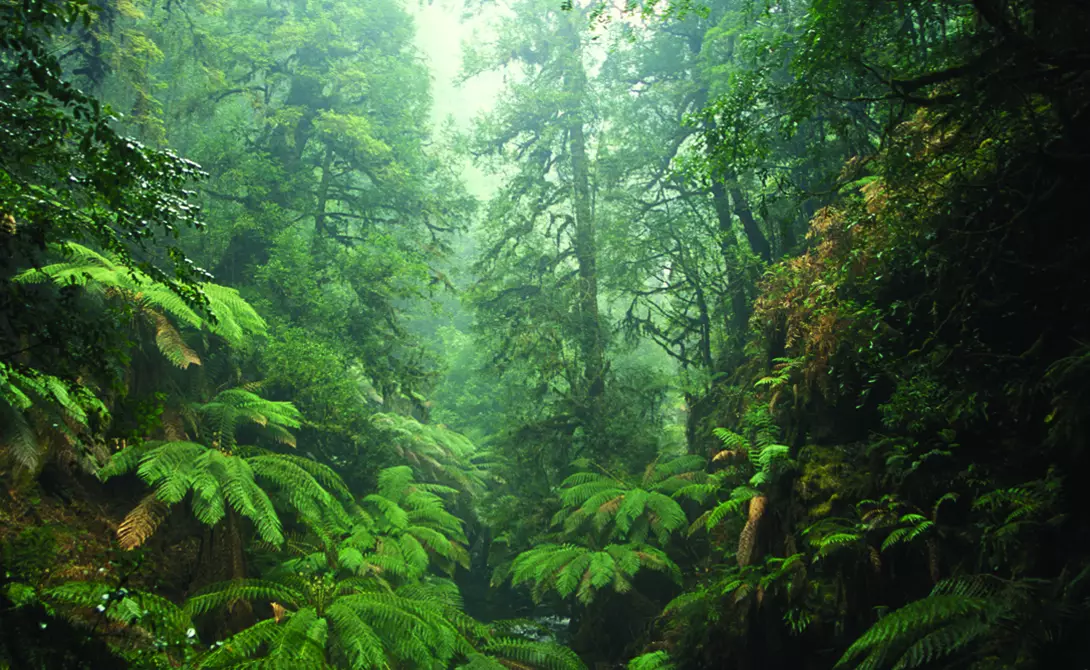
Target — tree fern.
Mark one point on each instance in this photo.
(915, 526)
(630, 509)
(406, 528)
(733, 505)
(221, 417)
(230, 316)
(33, 406)
(570, 569)
(347, 622)
(137, 617)
(433, 451)
(215, 478)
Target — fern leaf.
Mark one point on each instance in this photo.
(223, 594)
(656, 660)
(171, 344)
(540, 655)
(139, 524)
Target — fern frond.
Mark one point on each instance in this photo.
(362, 646)
(126, 460)
(171, 344)
(235, 317)
(656, 660)
(242, 645)
(141, 521)
(223, 594)
(738, 497)
(688, 599)
(19, 440)
(836, 541)
(299, 487)
(910, 622)
(531, 654)
(730, 439)
(569, 569)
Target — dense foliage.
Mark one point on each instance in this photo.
(765, 347)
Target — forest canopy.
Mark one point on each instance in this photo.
(706, 334)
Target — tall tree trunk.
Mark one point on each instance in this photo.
(589, 325)
(728, 246)
(323, 192)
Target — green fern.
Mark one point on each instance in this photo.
(362, 621)
(507, 652)
(837, 541)
(433, 451)
(916, 526)
(34, 405)
(630, 510)
(217, 480)
(127, 606)
(221, 418)
(655, 660)
(405, 528)
(732, 506)
(254, 485)
(569, 569)
(958, 614)
(230, 316)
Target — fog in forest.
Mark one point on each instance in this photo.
(544, 334)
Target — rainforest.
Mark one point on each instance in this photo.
(544, 334)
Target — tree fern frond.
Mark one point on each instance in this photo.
(688, 599)
(531, 654)
(171, 344)
(323, 474)
(232, 407)
(730, 439)
(656, 660)
(362, 646)
(943, 642)
(242, 645)
(223, 594)
(141, 521)
(912, 621)
(836, 541)
(234, 316)
(567, 568)
(19, 440)
(126, 460)
(738, 497)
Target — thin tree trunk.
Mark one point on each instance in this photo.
(757, 240)
(728, 245)
(323, 192)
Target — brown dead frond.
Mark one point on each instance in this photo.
(610, 507)
(729, 455)
(171, 344)
(278, 611)
(875, 559)
(748, 537)
(139, 524)
(7, 224)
